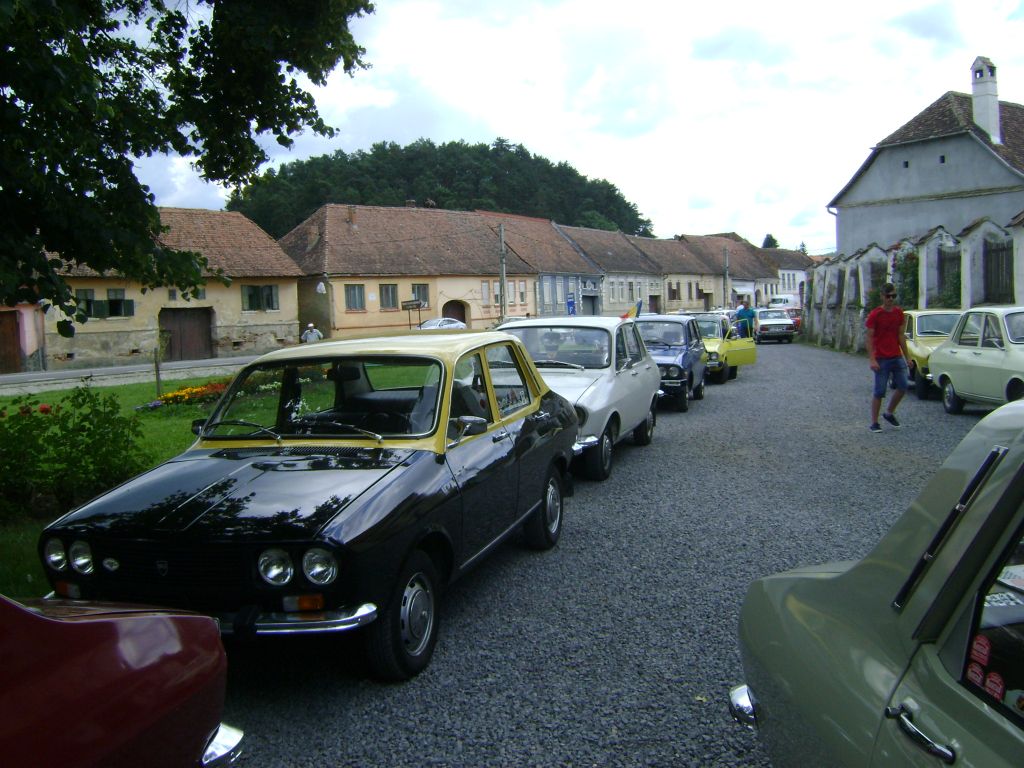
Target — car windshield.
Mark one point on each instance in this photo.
(936, 325)
(710, 328)
(1015, 327)
(558, 346)
(773, 314)
(661, 332)
(364, 398)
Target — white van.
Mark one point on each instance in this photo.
(784, 301)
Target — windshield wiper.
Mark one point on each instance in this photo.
(557, 364)
(241, 423)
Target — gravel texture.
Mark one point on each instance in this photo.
(618, 647)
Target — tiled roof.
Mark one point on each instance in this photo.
(227, 239)
(788, 259)
(539, 244)
(673, 256)
(611, 251)
(952, 114)
(376, 240)
(744, 260)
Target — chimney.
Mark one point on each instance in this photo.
(985, 98)
(352, 226)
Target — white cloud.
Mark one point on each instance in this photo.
(741, 116)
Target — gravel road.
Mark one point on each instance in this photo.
(618, 647)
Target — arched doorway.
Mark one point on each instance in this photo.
(455, 310)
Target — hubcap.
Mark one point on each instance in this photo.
(606, 450)
(417, 615)
(553, 506)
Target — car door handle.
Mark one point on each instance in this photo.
(499, 436)
(906, 723)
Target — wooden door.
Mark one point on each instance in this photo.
(10, 346)
(188, 333)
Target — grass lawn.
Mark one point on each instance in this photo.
(166, 432)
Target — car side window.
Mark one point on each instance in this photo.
(621, 357)
(993, 335)
(510, 389)
(908, 328)
(994, 668)
(970, 332)
(634, 344)
(469, 390)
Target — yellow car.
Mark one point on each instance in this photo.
(925, 330)
(726, 349)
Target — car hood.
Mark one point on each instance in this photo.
(570, 383)
(712, 345)
(286, 493)
(73, 610)
(667, 355)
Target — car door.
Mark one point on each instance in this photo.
(961, 701)
(483, 465)
(962, 354)
(529, 429)
(696, 351)
(633, 378)
(738, 350)
(990, 371)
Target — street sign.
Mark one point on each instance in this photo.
(570, 304)
(414, 304)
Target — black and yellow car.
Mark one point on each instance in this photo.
(337, 486)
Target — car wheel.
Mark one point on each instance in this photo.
(400, 643)
(921, 387)
(682, 402)
(598, 459)
(951, 401)
(644, 432)
(733, 371)
(698, 391)
(544, 527)
(721, 376)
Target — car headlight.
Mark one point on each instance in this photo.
(319, 566)
(712, 357)
(275, 566)
(80, 555)
(674, 371)
(54, 554)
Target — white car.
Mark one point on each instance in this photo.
(774, 324)
(441, 322)
(601, 365)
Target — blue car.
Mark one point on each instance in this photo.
(675, 343)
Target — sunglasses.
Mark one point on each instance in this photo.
(888, 295)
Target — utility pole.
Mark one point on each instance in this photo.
(503, 304)
(726, 302)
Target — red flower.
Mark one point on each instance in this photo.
(44, 408)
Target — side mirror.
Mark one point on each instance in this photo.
(197, 426)
(466, 426)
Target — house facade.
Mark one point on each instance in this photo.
(379, 268)
(255, 312)
(690, 282)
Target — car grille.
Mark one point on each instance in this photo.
(191, 576)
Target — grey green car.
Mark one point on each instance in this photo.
(913, 656)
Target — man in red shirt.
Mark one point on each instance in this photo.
(887, 356)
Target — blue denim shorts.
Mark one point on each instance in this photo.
(894, 367)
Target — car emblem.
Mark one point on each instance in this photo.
(161, 567)
(111, 564)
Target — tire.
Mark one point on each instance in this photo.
(400, 643)
(922, 387)
(644, 432)
(682, 403)
(698, 391)
(597, 461)
(734, 371)
(544, 527)
(951, 401)
(721, 376)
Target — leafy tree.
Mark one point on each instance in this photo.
(87, 86)
(770, 241)
(502, 177)
(803, 248)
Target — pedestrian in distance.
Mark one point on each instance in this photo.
(311, 334)
(745, 319)
(887, 356)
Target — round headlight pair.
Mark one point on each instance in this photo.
(674, 371)
(78, 555)
(318, 565)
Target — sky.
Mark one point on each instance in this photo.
(729, 116)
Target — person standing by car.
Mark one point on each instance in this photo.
(311, 334)
(887, 356)
(745, 319)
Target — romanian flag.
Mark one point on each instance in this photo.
(633, 311)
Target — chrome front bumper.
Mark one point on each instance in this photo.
(583, 443)
(273, 623)
(743, 706)
(223, 748)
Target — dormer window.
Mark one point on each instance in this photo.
(942, 159)
(906, 163)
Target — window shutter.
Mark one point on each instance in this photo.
(129, 307)
(100, 308)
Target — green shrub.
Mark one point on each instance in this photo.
(55, 457)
